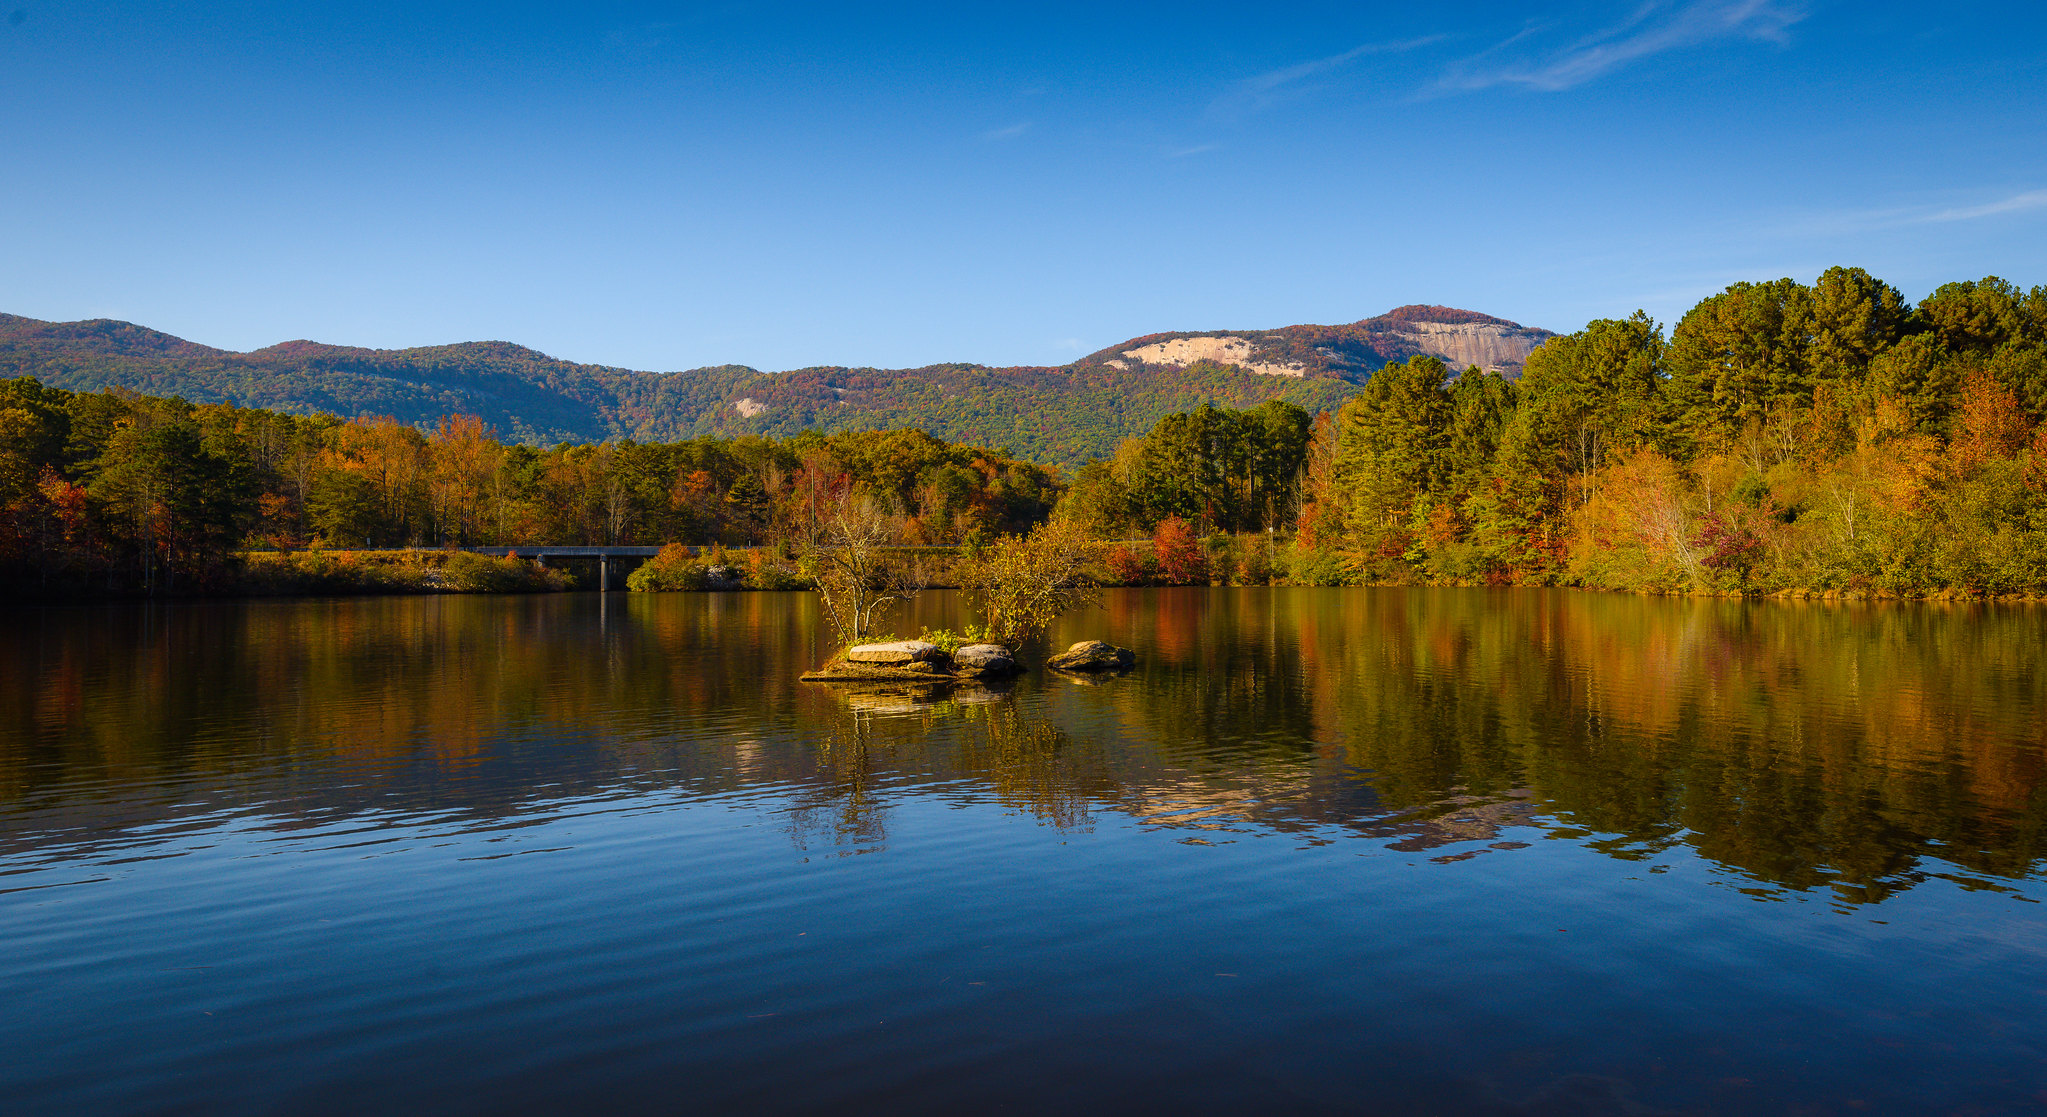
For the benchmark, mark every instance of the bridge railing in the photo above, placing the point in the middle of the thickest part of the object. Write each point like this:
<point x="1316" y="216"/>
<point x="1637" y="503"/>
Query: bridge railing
<point x="549" y="551"/>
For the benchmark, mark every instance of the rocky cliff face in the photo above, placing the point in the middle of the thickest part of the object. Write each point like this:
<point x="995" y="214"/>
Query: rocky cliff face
<point x="1460" y="338"/>
<point x="1494" y="346"/>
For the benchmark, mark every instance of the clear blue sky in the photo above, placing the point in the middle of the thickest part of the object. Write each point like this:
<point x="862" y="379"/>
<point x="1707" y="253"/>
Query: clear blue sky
<point x="667" y="186"/>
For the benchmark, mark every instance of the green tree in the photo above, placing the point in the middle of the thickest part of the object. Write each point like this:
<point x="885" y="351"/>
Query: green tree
<point x="188" y="505"/>
<point x="1985" y="315"/>
<point x="344" y="509"/>
<point x="1480" y="405"/>
<point x="1279" y="434"/>
<point x="1855" y="316"/>
<point x="1391" y="451"/>
<point x="1737" y="355"/>
<point x="1590" y="395"/>
<point x="1097" y="502"/>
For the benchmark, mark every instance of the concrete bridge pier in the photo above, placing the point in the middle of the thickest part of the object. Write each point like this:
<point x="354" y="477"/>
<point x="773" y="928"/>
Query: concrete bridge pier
<point x="606" y="557"/>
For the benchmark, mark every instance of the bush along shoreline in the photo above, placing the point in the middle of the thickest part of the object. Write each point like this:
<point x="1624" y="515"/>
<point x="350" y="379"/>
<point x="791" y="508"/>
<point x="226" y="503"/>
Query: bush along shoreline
<point x="321" y="572"/>
<point x="679" y="568"/>
<point x="1174" y="557"/>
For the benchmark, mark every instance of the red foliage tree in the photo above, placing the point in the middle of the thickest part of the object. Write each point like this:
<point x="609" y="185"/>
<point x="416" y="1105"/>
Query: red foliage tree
<point x="1129" y="567"/>
<point x="1728" y="546"/>
<point x="67" y="506"/>
<point x="1179" y="554"/>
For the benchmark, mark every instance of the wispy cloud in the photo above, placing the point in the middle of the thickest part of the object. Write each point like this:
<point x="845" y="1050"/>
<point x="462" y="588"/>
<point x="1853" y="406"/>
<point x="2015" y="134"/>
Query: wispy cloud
<point x="1197" y="149"/>
<point x="1255" y="94"/>
<point x="1009" y="133"/>
<point x="2017" y="203"/>
<point x="1858" y="222"/>
<point x="1654" y="28"/>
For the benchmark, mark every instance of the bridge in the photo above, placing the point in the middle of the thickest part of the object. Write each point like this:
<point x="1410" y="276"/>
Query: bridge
<point x="541" y="553"/>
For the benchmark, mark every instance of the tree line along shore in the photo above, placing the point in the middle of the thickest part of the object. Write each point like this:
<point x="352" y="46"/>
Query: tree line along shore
<point x="1828" y="438"/>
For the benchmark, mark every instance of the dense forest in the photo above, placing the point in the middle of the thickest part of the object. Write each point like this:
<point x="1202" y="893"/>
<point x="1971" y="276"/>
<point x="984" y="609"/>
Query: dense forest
<point x="1829" y="437"/>
<point x="1782" y="437"/>
<point x="111" y="490"/>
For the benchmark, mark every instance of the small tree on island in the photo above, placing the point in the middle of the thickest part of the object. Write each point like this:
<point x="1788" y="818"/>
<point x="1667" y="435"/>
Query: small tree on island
<point x="847" y="557"/>
<point x="1020" y="585"/>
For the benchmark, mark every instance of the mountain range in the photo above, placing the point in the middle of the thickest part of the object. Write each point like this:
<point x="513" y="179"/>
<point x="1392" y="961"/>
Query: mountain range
<point x="1061" y="414"/>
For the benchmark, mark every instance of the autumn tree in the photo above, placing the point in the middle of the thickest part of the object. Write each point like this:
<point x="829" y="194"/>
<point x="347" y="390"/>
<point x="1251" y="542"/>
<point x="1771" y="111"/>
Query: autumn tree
<point x="1989" y="423"/>
<point x="858" y="581"/>
<point x="462" y="457"/>
<point x="1178" y="553"/>
<point x="1020" y="585"/>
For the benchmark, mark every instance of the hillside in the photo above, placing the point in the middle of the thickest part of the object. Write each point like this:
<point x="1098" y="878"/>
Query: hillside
<point x="1062" y="414"/>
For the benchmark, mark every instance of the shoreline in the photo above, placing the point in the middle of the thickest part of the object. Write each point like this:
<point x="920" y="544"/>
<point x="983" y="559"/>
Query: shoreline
<point x="389" y="589"/>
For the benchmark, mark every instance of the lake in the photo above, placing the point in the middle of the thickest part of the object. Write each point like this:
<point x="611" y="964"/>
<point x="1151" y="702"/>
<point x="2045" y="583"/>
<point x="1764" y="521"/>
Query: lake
<point x="1380" y="851"/>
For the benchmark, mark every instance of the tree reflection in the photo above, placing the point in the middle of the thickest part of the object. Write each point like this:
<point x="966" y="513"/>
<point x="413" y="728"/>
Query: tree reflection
<point x="971" y="732"/>
<point x="1802" y="745"/>
<point x="1855" y="750"/>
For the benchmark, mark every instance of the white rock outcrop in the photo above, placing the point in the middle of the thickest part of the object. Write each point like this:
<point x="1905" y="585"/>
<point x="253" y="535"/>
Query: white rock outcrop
<point x="902" y="651"/>
<point x="1222" y="350"/>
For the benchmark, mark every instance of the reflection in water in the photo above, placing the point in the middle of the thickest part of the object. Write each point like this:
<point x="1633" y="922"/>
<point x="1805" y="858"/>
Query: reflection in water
<point x="1322" y="850"/>
<point x="1801" y="746"/>
<point x="967" y="732"/>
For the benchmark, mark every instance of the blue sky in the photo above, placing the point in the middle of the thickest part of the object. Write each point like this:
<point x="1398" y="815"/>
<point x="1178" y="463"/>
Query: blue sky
<point x="668" y="186"/>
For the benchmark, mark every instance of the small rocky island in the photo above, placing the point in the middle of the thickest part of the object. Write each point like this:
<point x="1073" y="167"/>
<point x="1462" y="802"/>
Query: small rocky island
<point x="924" y="661"/>
<point x="915" y="660"/>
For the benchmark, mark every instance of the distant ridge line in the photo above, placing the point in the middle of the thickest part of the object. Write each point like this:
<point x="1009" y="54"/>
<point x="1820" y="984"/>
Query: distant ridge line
<point x="1055" y="414"/>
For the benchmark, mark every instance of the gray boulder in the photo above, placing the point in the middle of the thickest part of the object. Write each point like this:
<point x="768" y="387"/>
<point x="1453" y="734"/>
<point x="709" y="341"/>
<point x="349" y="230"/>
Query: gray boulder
<point x="902" y="651"/>
<point x="1092" y="655"/>
<point x="985" y="659"/>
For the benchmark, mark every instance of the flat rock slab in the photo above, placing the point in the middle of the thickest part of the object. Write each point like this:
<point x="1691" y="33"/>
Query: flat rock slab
<point x="842" y="672"/>
<point x="902" y="651"/>
<point x="1092" y="655"/>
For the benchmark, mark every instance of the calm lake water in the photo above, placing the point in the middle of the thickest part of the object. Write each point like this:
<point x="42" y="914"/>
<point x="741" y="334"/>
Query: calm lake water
<point x="1380" y="851"/>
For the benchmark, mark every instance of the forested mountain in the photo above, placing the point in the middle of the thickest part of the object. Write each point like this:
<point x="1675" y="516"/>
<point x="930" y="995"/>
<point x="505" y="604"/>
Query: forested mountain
<point x="1061" y="414"/>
